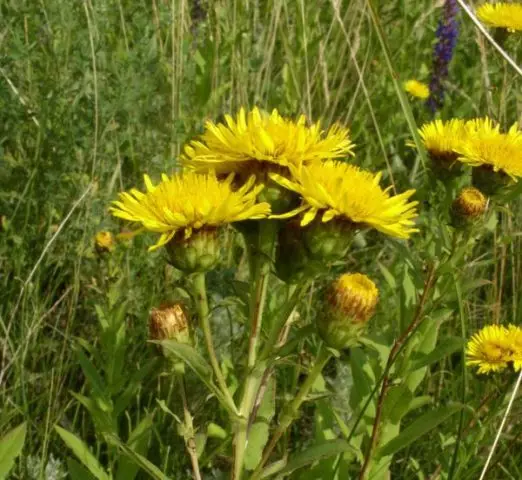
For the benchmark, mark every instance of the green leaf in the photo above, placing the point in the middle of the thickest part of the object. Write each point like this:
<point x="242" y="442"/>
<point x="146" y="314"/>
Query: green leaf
<point x="82" y="453"/>
<point x="315" y="453"/>
<point x="139" y="442"/>
<point x="11" y="445"/>
<point x="257" y="439"/>
<point x="397" y="403"/>
<point x="418" y="428"/>
<point x="96" y="382"/>
<point x="447" y="346"/>
<point x="199" y="366"/>
<point x="77" y="471"/>
<point x="140" y="460"/>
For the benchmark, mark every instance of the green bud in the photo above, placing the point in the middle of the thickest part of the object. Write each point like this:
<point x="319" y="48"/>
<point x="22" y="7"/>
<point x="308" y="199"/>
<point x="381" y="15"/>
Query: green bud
<point x="198" y="253"/>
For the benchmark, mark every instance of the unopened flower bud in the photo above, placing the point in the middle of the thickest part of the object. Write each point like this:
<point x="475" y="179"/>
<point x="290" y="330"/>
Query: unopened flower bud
<point x="169" y="322"/>
<point x="469" y="205"/>
<point x="349" y="304"/>
<point x="488" y="181"/>
<point x="104" y="242"/>
<point x="197" y="253"/>
<point x="305" y="252"/>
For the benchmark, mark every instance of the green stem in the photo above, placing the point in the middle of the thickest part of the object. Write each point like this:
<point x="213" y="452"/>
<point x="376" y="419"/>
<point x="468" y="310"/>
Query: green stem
<point x="190" y="442"/>
<point x="203" y="311"/>
<point x="292" y="410"/>
<point x="261" y="262"/>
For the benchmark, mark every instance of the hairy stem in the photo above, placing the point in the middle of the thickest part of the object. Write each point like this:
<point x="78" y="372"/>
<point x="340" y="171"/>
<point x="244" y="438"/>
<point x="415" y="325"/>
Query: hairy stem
<point x="260" y="262"/>
<point x="419" y="315"/>
<point x="190" y="442"/>
<point x="203" y="311"/>
<point x="291" y="411"/>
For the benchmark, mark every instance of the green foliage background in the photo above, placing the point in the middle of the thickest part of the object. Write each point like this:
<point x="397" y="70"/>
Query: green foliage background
<point x="95" y="93"/>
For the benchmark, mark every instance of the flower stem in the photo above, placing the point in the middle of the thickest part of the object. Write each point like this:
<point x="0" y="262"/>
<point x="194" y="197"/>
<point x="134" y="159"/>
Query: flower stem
<point x="190" y="443"/>
<point x="501" y="428"/>
<point x="292" y="410"/>
<point x="203" y="312"/>
<point x="261" y="262"/>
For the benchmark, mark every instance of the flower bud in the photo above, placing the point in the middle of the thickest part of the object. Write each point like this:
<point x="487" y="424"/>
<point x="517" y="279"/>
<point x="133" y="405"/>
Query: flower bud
<point x="169" y="322"/>
<point x="197" y="253"/>
<point x="469" y="205"/>
<point x="305" y="252"/>
<point x="104" y="242"/>
<point x="489" y="181"/>
<point x="349" y="304"/>
<point x="330" y="241"/>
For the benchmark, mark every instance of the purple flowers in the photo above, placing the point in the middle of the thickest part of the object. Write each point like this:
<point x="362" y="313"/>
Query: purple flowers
<point x="447" y="32"/>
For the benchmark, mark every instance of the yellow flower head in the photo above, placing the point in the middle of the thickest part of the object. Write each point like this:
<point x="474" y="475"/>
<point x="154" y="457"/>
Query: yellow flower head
<point x="441" y="139"/>
<point x="260" y="137"/>
<point x="491" y="349"/>
<point x="515" y="337"/>
<point x="501" y="15"/>
<point x="484" y="145"/>
<point x="417" y="89"/>
<point x="104" y="241"/>
<point x="187" y="202"/>
<point x="336" y="189"/>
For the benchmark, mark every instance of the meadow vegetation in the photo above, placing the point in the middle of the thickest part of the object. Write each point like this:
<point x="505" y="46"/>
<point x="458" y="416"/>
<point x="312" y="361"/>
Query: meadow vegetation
<point x="96" y="93"/>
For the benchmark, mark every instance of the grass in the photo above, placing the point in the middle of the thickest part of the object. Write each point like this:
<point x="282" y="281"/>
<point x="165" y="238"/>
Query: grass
<point x="94" y="94"/>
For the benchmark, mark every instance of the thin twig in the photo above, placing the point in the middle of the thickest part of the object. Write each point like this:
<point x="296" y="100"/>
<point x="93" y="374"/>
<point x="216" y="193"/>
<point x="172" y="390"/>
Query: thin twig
<point x="501" y="428"/>
<point x="391" y="359"/>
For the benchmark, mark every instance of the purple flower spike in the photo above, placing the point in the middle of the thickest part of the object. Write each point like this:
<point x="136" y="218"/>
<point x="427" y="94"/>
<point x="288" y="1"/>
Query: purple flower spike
<point x="447" y="33"/>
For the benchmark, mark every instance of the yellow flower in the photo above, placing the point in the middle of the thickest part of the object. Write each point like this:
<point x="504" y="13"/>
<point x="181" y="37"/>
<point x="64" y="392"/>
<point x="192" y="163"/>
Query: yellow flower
<point x="336" y="189"/>
<point x="441" y="139"/>
<point x="260" y="137"/>
<point x="417" y="89"/>
<point x="501" y="15"/>
<point x="484" y="145"/>
<point x="187" y="202"/>
<point x="491" y="349"/>
<point x="515" y="337"/>
<point x="104" y="241"/>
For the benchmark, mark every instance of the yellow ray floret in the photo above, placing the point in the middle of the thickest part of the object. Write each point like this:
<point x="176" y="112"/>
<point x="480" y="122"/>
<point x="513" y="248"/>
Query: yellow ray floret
<point x="442" y="138"/>
<point x="501" y="15"/>
<point x="258" y="136"/>
<point x="188" y="201"/>
<point x="491" y="349"/>
<point x="417" y="89"/>
<point x="484" y="144"/>
<point x="336" y="189"/>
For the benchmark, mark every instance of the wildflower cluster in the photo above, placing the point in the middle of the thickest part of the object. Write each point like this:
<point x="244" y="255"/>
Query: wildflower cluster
<point x="494" y="348"/>
<point x="496" y="156"/>
<point x="252" y="150"/>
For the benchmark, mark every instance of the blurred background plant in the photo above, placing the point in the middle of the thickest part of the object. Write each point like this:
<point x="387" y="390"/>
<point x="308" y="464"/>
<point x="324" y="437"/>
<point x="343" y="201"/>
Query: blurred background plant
<point x="94" y="94"/>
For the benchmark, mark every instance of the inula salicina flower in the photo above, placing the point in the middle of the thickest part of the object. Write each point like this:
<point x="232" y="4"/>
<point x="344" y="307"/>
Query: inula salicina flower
<point x="337" y="190"/>
<point x="501" y="15"/>
<point x="442" y="139"/>
<point x="258" y="139"/>
<point x="187" y="209"/>
<point x="447" y="32"/>
<point x="494" y="348"/>
<point x="417" y="89"/>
